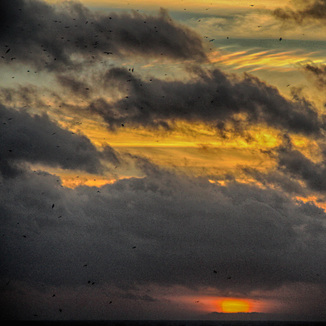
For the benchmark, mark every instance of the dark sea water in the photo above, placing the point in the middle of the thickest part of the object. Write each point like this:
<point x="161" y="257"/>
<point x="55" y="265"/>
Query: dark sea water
<point x="164" y="323"/>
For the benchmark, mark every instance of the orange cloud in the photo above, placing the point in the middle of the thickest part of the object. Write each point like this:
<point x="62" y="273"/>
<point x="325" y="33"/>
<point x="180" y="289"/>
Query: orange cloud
<point x="268" y="60"/>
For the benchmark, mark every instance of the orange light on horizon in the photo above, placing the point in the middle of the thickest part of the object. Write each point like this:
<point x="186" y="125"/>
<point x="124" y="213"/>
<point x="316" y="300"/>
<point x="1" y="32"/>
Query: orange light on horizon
<point x="231" y="305"/>
<point x="209" y="303"/>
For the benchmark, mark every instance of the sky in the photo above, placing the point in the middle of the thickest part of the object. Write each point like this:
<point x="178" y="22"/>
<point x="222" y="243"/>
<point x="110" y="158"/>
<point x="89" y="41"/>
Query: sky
<point x="163" y="160"/>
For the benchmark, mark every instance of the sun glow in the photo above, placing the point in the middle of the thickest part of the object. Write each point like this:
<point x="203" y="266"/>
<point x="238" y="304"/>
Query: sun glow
<point x="235" y="306"/>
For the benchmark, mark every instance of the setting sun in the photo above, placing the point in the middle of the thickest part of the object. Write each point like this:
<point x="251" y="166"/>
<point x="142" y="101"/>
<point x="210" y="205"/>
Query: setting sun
<point x="234" y="306"/>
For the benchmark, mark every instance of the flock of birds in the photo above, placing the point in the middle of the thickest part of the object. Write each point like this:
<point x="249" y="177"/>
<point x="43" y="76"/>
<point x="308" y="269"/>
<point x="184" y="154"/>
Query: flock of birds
<point x="95" y="44"/>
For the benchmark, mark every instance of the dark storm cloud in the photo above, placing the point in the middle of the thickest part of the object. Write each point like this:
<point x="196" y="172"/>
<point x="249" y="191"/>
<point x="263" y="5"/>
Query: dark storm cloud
<point x="305" y="11"/>
<point x="48" y="36"/>
<point x="298" y="165"/>
<point x="36" y="139"/>
<point x="318" y="72"/>
<point x="162" y="229"/>
<point x="210" y="96"/>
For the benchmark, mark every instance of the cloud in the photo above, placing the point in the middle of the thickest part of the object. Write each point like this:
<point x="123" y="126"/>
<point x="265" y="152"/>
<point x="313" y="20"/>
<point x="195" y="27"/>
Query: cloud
<point x="55" y="37"/>
<point x="296" y="164"/>
<point x="278" y="179"/>
<point x="183" y="229"/>
<point x="305" y="11"/>
<point x="36" y="139"/>
<point x="258" y="237"/>
<point x="210" y="96"/>
<point x="318" y="72"/>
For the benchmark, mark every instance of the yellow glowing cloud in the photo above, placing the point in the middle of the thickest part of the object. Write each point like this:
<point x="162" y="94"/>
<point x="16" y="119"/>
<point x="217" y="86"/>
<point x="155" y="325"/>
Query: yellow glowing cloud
<point x="185" y="134"/>
<point x="270" y="60"/>
<point x="196" y="147"/>
<point x="314" y="199"/>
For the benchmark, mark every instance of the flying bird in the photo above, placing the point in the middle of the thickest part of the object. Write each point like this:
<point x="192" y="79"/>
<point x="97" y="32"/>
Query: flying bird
<point x="52" y="206"/>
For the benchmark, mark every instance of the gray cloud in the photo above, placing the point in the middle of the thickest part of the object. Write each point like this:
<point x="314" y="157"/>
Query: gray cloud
<point x="36" y="139"/>
<point x="305" y="11"/>
<point x="318" y="72"/>
<point x="74" y="86"/>
<point x="183" y="229"/>
<point x="210" y="96"/>
<point x="298" y="165"/>
<point x="48" y="36"/>
<point x="279" y="180"/>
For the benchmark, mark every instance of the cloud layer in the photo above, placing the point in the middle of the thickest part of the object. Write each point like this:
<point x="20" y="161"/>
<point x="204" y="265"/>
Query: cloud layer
<point x="305" y="11"/>
<point x="210" y="96"/>
<point x="36" y="139"/>
<point x="54" y="37"/>
<point x="164" y="229"/>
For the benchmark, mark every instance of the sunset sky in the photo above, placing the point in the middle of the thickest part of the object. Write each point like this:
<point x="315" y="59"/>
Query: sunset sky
<point x="163" y="160"/>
